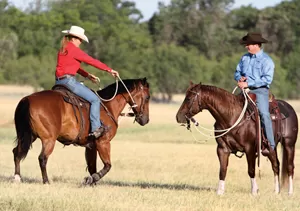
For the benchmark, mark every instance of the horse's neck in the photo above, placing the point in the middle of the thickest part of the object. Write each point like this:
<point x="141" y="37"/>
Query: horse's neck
<point x="116" y="105"/>
<point x="224" y="107"/>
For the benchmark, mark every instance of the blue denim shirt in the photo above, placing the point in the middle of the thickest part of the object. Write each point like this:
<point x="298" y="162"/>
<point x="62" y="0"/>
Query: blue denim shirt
<point x="258" y="68"/>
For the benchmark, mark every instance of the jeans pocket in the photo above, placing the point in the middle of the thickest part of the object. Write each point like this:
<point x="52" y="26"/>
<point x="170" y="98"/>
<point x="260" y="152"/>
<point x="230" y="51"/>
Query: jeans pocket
<point x="71" y="83"/>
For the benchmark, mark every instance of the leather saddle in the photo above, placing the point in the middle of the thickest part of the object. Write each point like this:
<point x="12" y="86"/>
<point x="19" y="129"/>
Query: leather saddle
<point x="76" y="102"/>
<point x="276" y="116"/>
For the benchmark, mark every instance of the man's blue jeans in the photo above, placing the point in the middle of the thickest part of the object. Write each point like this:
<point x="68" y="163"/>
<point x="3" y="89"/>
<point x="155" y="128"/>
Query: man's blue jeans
<point x="262" y="101"/>
<point x="84" y="92"/>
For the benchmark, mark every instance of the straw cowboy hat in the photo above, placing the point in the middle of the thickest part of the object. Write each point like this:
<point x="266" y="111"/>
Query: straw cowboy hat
<point x="253" y="38"/>
<point x="77" y="32"/>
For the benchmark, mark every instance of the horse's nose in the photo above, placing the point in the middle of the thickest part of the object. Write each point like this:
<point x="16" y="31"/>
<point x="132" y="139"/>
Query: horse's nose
<point x="180" y="117"/>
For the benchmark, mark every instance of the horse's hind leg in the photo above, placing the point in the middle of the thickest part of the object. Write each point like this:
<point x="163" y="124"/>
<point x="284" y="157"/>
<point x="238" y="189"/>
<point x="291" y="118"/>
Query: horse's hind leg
<point x="103" y="148"/>
<point x="47" y="149"/>
<point x="18" y="156"/>
<point x="17" y="159"/>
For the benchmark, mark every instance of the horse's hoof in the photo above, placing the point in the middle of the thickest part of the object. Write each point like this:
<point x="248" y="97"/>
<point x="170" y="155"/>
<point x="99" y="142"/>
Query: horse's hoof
<point x="220" y="192"/>
<point x="88" y="180"/>
<point x="17" y="178"/>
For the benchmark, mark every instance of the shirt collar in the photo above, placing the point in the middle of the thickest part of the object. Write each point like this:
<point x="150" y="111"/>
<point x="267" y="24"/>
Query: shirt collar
<point x="258" y="54"/>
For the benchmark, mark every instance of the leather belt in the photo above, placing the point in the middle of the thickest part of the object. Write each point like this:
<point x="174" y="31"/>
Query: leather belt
<point x="63" y="77"/>
<point x="253" y="88"/>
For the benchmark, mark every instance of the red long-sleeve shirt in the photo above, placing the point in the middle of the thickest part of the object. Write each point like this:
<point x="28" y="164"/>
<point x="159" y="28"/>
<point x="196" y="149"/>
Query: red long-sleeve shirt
<point x="69" y="62"/>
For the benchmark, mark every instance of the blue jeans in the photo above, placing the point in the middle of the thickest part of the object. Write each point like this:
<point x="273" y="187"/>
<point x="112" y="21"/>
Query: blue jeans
<point x="262" y="101"/>
<point x="84" y="92"/>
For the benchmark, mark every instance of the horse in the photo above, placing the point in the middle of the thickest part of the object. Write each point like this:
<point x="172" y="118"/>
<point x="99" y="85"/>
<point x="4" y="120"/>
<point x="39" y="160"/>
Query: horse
<point x="226" y="107"/>
<point x="46" y="115"/>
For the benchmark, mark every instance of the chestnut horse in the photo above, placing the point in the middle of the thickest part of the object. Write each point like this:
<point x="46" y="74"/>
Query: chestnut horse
<point x="226" y="108"/>
<point x="45" y="115"/>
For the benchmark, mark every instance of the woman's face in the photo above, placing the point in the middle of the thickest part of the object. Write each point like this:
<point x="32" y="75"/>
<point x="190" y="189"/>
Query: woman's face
<point x="76" y="41"/>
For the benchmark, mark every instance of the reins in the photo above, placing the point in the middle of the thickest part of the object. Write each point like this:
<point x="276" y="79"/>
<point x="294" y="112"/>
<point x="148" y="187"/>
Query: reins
<point x="116" y="91"/>
<point x="225" y="131"/>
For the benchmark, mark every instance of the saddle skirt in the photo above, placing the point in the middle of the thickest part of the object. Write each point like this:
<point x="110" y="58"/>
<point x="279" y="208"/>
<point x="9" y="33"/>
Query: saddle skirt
<point x="76" y="102"/>
<point x="70" y="97"/>
<point x="276" y="116"/>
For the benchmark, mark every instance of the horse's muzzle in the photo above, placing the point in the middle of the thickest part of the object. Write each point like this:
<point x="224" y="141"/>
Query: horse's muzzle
<point x="181" y="118"/>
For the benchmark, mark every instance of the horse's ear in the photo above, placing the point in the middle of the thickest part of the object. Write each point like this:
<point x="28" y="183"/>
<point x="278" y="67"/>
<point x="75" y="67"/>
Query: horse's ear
<point x="144" y="82"/>
<point x="191" y="83"/>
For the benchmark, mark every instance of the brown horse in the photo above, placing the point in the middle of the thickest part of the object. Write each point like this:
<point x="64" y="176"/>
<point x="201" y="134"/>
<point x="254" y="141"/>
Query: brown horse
<point x="47" y="116"/>
<point x="226" y="108"/>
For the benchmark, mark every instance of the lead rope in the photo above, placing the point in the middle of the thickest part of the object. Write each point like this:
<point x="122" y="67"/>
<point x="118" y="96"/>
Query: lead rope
<point x="117" y="87"/>
<point x="196" y="124"/>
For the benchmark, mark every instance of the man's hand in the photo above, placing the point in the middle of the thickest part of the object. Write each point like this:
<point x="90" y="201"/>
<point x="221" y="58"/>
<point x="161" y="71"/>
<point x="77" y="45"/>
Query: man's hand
<point x="93" y="78"/>
<point x="114" y="73"/>
<point x="243" y="79"/>
<point x="242" y="85"/>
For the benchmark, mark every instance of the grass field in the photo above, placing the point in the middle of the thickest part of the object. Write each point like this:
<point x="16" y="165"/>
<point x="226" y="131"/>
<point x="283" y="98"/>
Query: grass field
<point x="156" y="167"/>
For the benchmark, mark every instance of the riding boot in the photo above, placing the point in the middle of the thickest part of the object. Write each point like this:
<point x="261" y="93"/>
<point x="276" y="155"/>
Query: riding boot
<point x="266" y="148"/>
<point x="100" y="131"/>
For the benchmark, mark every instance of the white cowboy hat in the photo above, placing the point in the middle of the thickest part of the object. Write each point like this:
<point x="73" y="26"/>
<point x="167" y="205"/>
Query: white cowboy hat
<point x="77" y="32"/>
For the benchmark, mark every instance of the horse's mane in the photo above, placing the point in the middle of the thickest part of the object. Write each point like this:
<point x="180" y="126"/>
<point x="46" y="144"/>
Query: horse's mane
<point x="109" y="90"/>
<point x="224" y="94"/>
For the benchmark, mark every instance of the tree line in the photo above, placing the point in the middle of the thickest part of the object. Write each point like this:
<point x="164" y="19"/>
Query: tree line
<point x="185" y="40"/>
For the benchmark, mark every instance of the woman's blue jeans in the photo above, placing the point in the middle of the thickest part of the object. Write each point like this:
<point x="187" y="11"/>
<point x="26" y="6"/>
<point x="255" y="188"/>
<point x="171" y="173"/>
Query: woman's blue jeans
<point x="262" y="101"/>
<point x="84" y="92"/>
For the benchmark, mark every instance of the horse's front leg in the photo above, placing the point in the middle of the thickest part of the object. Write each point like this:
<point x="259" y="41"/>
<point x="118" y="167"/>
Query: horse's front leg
<point x="91" y="158"/>
<point x="275" y="166"/>
<point x="251" y="157"/>
<point x="223" y="154"/>
<point x="103" y="148"/>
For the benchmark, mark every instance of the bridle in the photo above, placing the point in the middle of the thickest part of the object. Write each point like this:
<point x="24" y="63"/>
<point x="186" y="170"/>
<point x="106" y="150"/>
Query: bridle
<point x="134" y="106"/>
<point x="196" y="98"/>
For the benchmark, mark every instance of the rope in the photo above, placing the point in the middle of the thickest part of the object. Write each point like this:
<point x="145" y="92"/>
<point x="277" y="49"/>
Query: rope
<point x="117" y="87"/>
<point x="227" y="129"/>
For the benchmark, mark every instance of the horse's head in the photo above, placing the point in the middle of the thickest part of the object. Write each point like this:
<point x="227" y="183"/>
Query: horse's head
<point x="191" y="104"/>
<point x="140" y="101"/>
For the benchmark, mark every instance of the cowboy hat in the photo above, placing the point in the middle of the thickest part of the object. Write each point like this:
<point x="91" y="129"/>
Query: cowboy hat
<point x="253" y="38"/>
<point x="77" y="32"/>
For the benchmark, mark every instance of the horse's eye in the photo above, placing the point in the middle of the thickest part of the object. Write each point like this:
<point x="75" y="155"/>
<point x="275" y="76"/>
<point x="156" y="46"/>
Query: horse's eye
<point x="148" y="98"/>
<point x="186" y="100"/>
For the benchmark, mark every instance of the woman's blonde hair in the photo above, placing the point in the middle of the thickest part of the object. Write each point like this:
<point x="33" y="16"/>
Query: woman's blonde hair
<point x="64" y="42"/>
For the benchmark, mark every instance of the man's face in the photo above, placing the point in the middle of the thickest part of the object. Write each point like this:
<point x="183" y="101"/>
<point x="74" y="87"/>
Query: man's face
<point x="252" y="48"/>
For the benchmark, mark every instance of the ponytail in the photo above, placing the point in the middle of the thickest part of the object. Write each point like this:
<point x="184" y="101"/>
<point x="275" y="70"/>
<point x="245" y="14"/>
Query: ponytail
<point x="64" y="43"/>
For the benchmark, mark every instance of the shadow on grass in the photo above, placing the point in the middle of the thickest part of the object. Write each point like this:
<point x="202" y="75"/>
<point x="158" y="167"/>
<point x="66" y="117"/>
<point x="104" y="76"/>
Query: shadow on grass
<point x="146" y="185"/>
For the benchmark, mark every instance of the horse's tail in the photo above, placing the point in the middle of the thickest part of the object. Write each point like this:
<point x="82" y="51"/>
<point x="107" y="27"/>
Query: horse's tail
<point x="25" y="135"/>
<point x="284" y="167"/>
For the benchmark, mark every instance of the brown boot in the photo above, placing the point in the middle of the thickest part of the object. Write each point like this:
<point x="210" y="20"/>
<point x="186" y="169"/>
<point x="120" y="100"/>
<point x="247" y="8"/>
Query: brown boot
<point x="100" y="131"/>
<point x="265" y="148"/>
<point x="265" y="152"/>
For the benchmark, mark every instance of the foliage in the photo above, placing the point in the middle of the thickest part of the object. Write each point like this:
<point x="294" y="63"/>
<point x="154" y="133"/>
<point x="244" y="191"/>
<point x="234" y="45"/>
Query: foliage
<point x="185" y="40"/>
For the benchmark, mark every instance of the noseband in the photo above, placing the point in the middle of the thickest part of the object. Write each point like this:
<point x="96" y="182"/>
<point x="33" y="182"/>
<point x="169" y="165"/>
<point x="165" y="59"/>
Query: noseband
<point x="134" y="106"/>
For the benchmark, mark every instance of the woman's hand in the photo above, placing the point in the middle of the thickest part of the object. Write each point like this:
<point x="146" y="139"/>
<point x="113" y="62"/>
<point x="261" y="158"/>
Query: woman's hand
<point x="93" y="78"/>
<point x="114" y="73"/>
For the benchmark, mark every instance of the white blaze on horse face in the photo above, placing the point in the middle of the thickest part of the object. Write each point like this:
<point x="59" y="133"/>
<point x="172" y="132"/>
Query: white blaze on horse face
<point x="221" y="187"/>
<point x="276" y="182"/>
<point x="291" y="188"/>
<point x="254" y="186"/>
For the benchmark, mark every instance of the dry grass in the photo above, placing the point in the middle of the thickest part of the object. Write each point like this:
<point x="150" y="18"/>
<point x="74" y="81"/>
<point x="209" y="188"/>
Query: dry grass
<point x="155" y="167"/>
